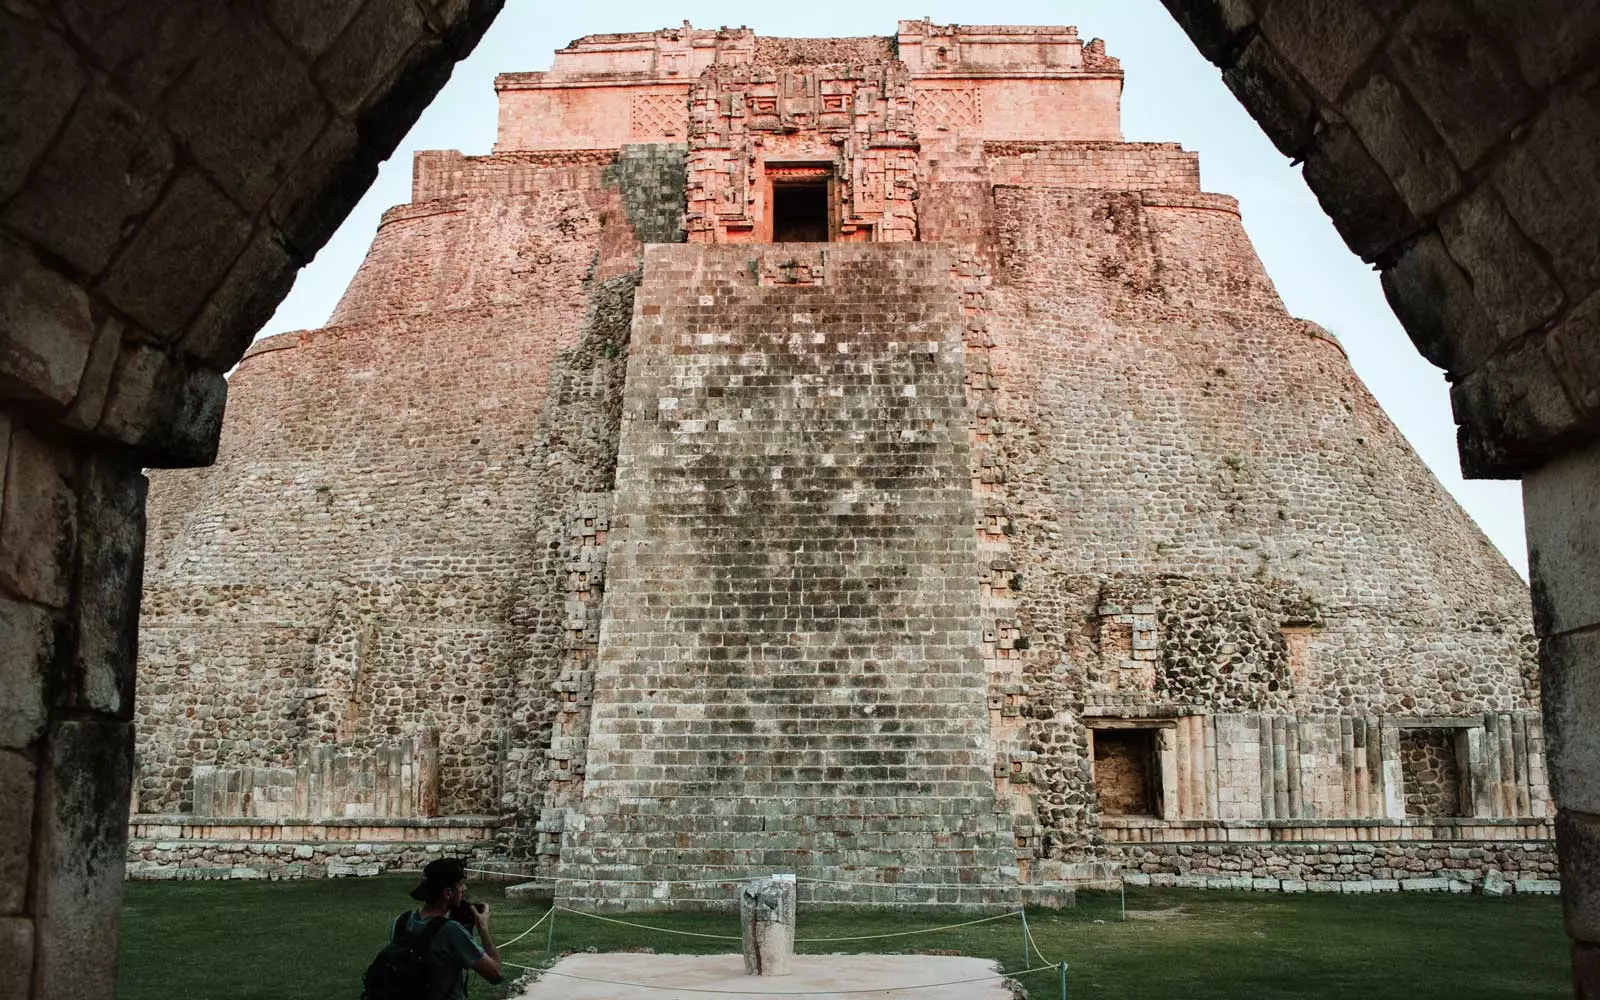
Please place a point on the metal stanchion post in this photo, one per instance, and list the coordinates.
(550, 934)
(1122, 884)
(1027, 959)
(1063, 981)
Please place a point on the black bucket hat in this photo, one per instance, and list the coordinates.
(437, 875)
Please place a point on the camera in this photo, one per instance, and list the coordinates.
(466, 914)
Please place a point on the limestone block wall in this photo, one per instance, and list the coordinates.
(788, 673)
(1114, 166)
(535, 114)
(405, 528)
(1210, 516)
(184, 847)
(359, 565)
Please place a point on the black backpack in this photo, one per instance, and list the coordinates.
(400, 972)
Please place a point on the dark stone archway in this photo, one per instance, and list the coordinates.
(1456, 145)
(166, 166)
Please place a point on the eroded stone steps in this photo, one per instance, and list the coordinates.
(792, 614)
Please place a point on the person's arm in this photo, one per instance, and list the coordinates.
(489, 965)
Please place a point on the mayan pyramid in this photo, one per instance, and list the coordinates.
(840, 456)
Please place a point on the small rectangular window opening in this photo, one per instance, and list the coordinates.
(1127, 772)
(800, 212)
(1431, 774)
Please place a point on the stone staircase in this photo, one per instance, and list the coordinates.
(789, 676)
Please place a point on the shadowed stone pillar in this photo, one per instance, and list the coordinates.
(165, 169)
(1563, 512)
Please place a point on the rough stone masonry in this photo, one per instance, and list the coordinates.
(1014, 527)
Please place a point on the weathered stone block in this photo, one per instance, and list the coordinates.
(322, 188)
(37, 521)
(1301, 30)
(1551, 185)
(243, 303)
(187, 243)
(766, 921)
(1510, 282)
(1569, 673)
(41, 78)
(1434, 301)
(145, 44)
(420, 72)
(1270, 91)
(83, 826)
(27, 649)
(1356, 193)
(1551, 38)
(110, 568)
(90, 402)
(1403, 142)
(1574, 348)
(311, 25)
(1562, 504)
(1495, 884)
(1513, 412)
(106, 168)
(46, 330)
(16, 957)
(171, 413)
(249, 85)
(1463, 80)
(368, 52)
(16, 831)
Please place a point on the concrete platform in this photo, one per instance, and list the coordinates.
(660, 977)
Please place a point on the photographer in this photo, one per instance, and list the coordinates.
(442, 930)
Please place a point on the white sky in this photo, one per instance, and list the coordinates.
(1171, 94)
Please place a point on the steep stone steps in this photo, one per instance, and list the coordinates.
(790, 664)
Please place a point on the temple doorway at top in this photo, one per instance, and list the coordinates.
(801, 204)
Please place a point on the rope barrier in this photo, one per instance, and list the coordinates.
(787, 993)
(647, 927)
(815, 940)
(613, 881)
(925, 930)
(1035, 946)
(733, 879)
(530, 930)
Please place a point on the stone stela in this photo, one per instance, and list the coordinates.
(766, 925)
(848, 456)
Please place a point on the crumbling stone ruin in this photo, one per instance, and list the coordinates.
(845, 456)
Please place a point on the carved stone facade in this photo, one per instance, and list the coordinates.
(1044, 536)
(851, 128)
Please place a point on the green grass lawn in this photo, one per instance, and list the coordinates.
(271, 940)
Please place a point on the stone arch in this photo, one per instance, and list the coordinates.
(166, 167)
(1455, 144)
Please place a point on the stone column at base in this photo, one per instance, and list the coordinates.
(1585, 970)
(766, 920)
(1562, 505)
